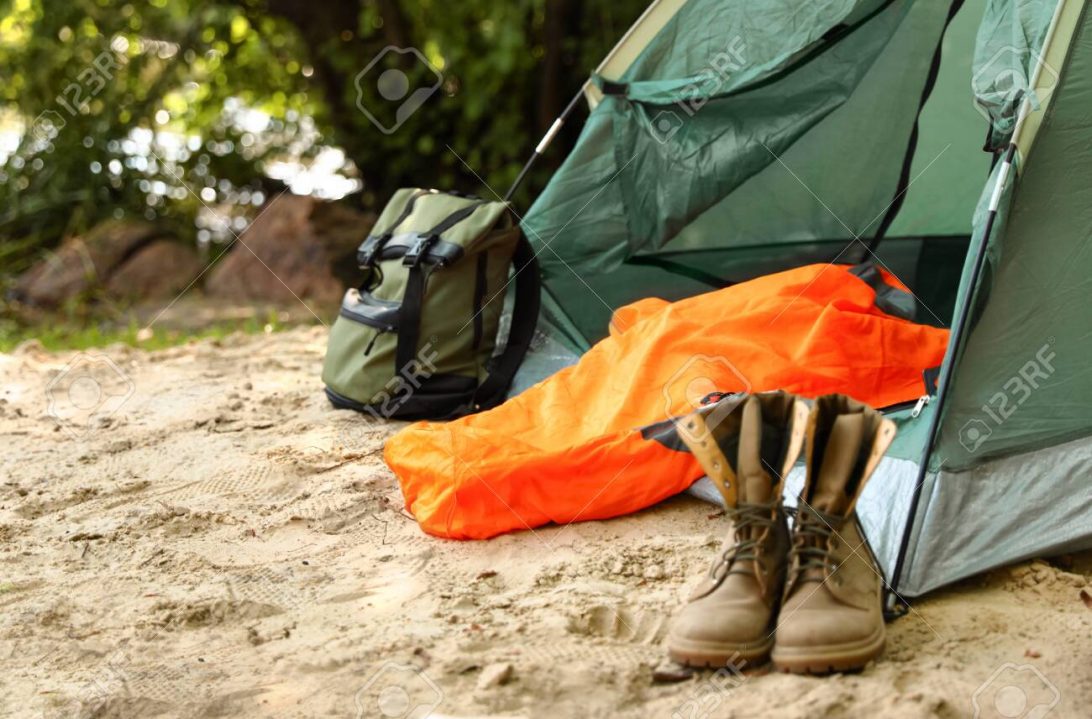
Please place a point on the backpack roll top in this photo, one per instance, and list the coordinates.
(417, 338)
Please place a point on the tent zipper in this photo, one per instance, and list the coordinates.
(922, 401)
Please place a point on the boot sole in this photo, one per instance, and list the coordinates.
(830, 659)
(710, 655)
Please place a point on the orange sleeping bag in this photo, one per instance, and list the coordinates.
(571, 447)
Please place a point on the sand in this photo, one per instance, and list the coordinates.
(220, 542)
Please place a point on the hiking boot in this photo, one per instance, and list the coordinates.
(746, 447)
(832, 614)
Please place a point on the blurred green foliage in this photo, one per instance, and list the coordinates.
(156, 109)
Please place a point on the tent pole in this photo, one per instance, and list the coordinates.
(959, 331)
(1025, 107)
(545, 141)
(626, 36)
(959, 328)
(560, 121)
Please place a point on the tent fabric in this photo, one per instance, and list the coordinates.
(1058, 43)
(571, 448)
(1005, 510)
(1022, 382)
(633, 43)
(992, 194)
(694, 59)
(807, 156)
(948, 161)
(1009, 46)
(600, 203)
(839, 179)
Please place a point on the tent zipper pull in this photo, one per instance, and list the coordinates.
(922, 401)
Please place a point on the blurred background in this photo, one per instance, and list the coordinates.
(140, 141)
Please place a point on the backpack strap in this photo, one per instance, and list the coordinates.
(524, 320)
(409, 315)
(525, 311)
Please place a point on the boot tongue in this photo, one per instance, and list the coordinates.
(830, 492)
(754, 478)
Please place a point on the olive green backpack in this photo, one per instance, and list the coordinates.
(418, 338)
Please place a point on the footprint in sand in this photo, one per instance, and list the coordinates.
(620, 624)
(259, 482)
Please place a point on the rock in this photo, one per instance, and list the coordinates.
(341, 229)
(669, 672)
(82, 263)
(159, 270)
(494, 675)
(291, 250)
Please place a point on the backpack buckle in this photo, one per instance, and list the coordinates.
(365, 255)
(413, 255)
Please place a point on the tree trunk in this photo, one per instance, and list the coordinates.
(395, 27)
(552, 95)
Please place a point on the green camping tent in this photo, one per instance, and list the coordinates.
(729, 139)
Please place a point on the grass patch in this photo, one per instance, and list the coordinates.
(62, 334)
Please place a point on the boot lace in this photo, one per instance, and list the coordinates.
(811, 546)
(744, 517)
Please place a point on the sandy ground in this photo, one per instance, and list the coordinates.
(220, 542)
